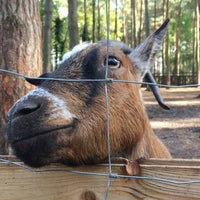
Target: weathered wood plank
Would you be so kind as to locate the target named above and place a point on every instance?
(178, 162)
(18, 183)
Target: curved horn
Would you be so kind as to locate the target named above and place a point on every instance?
(149, 77)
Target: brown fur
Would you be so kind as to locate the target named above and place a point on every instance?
(39, 139)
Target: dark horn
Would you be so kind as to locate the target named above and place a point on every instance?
(149, 78)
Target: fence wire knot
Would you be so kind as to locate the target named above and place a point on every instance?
(109, 80)
(113, 175)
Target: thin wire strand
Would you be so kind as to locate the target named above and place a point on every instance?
(107, 104)
(106, 89)
(108, 80)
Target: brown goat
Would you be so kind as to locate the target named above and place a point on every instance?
(66, 121)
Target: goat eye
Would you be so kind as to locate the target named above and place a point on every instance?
(113, 62)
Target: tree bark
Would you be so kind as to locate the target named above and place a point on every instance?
(155, 14)
(73, 23)
(196, 40)
(168, 67)
(116, 16)
(164, 43)
(147, 27)
(125, 29)
(133, 8)
(20, 51)
(47, 32)
(93, 20)
(98, 21)
(178, 40)
(140, 23)
(85, 34)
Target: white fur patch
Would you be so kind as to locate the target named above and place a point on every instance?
(57, 106)
(75, 50)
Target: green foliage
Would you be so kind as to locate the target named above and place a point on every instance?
(125, 21)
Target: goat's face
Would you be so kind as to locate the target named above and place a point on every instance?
(66, 121)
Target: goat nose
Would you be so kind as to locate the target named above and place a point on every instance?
(23, 108)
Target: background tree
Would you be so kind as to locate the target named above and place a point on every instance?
(196, 40)
(93, 20)
(134, 35)
(141, 21)
(166, 52)
(20, 51)
(47, 35)
(147, 30)
(98, 20)
(85, 34)
(116, 13)
(60, 35)
(125, 21)
(73, 23)
(178, 40)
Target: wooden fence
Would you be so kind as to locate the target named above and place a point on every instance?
(55, 182)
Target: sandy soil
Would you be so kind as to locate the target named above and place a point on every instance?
(178, 128)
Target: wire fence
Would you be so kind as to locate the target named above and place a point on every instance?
(106, 81)
(110, 175)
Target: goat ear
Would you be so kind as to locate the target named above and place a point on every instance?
(144, 54)
(37, 81)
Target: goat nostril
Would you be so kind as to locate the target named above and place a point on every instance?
(27, 109)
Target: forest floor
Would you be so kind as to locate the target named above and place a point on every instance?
(179, 127)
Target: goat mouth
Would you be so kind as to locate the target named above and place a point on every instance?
(66, 128)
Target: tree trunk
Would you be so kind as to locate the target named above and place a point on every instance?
(155, 26)
(133, 8)
(155, 14)
(20, 51)
(85, 34)
(98, 21)
(178, 40)
(168, 67)
(93, 20)
(73, 23)
(116, 15)
(196, 40)
(140, 23)
(125, 29)
(47, 32)
(147, 31)
(164, 43)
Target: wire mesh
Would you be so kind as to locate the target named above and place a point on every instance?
(106, 81)
(109, 175)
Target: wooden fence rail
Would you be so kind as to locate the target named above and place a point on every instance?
(17, 183)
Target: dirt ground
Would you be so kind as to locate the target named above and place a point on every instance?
(179, 127)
